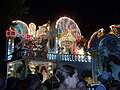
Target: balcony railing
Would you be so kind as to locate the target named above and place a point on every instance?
(69, 57)
(33, 55)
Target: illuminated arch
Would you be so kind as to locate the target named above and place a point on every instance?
(21, 27)
(65, 23)
(92, 40)
(32, 28)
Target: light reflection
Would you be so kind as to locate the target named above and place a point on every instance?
(67, 57)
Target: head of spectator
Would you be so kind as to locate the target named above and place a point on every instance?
(65, 77)
(12, 83)
(32, 82)
(82, 84)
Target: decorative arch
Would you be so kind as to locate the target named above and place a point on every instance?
(95, 38)
(92, 41)
(20, 27)
(65, 27)
(66, 23)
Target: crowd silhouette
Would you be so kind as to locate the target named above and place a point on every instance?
(63, 78)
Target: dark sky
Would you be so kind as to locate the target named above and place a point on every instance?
(90, 15)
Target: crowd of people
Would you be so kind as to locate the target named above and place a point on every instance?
(63, 78)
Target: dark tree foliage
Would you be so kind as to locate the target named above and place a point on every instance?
(11, 9)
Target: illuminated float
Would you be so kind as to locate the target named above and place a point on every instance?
(68, 46)
(69, 33)
(41, 49)
(27, 49)
(105, 50)
(69, 43)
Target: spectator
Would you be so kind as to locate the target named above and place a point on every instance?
(65, 77)
(12, 83)
(22, 85)
(82, 84)
(32, 82)
(40, 75)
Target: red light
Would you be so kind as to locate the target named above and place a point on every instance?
(12, 33)
(7, 33)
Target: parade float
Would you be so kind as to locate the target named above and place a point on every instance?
(31, 49)
(105, 51)
(70, 47)
(69, 44)
(27, 49)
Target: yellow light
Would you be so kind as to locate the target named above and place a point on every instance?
(49, 68)
(49, 63)
(81, 51)
(51, 72)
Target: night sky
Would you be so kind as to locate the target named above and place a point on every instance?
(90, 15)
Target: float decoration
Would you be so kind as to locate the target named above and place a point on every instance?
(65, 25)
(67, 39)
(10, 33)
(43, 69)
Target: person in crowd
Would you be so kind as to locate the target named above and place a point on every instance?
(22, 85)
(2, 82)
(64, 78)
(40, 75)
(105, 79)
(82, 84)
(12, 83)
(32, 82)
(115, 85)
